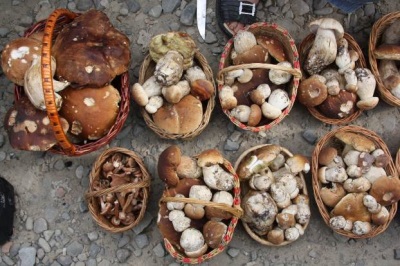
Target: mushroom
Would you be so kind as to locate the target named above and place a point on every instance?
(255, 115)
(168, 163)
(390, 76)
(241, 113)
(351, 80)
(381, 158)
(142, 93)
(200, 192)
(280, 196)
(209, 157)
(216, 214)
(154, 103)
(332, 74)
(366, 87)
(328, 156)
(227, 98)
(333, 87)
(230, 76)
(192, 240)
(202, 89)
(371, 203)
(312, 91)
(279, 99)
(324, 49)
(194, 73)
(246, 76)
(374, 173)
(17, 56)
(357, 141)
(339, 222)
(331, 196)
(171, 205)
(217, 178)
(213, 233)
(90, 51)
(278, 76)
(386, 190)
(360, 184)
(289, 183)
(261, 93)
(292, 234)
(345, 59)
(270, 111)
(303, 213)
(273, 46)
(352, 157)
(278, 162)
(188, 168)
(387, 51)
(332, 174)
(365, 161)
(298, 163)
(169, 68)
(174, 93)
(179, 221)
(339, 106)
(244, 41)
(276, 236)
(354, 171)
(380, 218)
(285, 220)
(361, 228)
(194, 211)
(352, 208)
(261, 181)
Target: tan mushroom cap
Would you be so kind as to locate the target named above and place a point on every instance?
(339, 106)
(285, 220)
(255, 115)
(352, 208)
(273, 46)
(331, 196)
(188, 168)
(267, 153)
(298, 163)
(327, 23)
(387, 51)
(209, 157)
(312, 91)
(326, 155)
(257, 54)
(214, 232)
(358, 142)
(168, 163)
(202, 89)
(276, 236)
(386, 190)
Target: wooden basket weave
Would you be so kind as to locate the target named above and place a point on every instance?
(225, 65)
(304, 48)
(245, 187)
(330, 140)
(397, 162)
(146, 71)
(92, 196)
(374, 40)
(51, 27)
(236, 212)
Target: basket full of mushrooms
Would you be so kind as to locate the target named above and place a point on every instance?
(336, 84)
(275, 203)
(259, 73)
(71, 93)
(384, 56)
(118, 190)
(175, 91)
(200, 206)
(355, 182)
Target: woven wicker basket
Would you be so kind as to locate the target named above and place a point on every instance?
(245, 188)
(304, 48)
(236, 212)
(141, 187)
(51, 27)
(374, 40)
(397, 162)
(147, 70)
(225, 65)
(330, 140)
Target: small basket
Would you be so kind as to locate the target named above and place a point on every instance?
(92, 196)
(329, 140)
(236, 212)
(304, 48)
(146, 71)
(245, 187)
(374, 39)
(51, 27)
(225, 65)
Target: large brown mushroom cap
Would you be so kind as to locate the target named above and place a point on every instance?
(352, 208)
(386, 190)
(91, 112)
(90, 52)
(168, 163)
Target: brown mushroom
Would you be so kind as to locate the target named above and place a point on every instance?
(168, 163)
(312, 91)
(213, 233)
(352, 208)
(357, 141)
(202, 89)
(386, 190)
(327, 155)
(209, 157)
(188, 168)
(255, 115)
(339, 106)
(331, 196)
(273, 46)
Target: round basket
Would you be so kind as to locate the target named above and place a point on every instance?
(304, 48)
(121, 192)
(330, 140)
(51, 27)
(245, 188)
(236, 211)
(146, 71)
(374, 40)
(225, 65)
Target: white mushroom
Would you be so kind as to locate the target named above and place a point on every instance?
(243, 41)
(261, 93)
(270, 111)
(241, 113)
(279, 77)
(361, 228)
(292, 234)
(246, 76)
(228, 100)
(151, 87)
(371, 203)
(289, 183)
(179, 221)
(351, 80)
(191, 240)
(303, 213)
(374, 173)
(261, 181)
(155, 103)
(200, 192)
(360, 184)
(278, 162)
(194, 73)
(345, 59)
(333, 86)
(217, 178)
(390, 76)
(366, 87)
(354, 171)
(279, 99)
(169, 68)
(351, 157)
(333, 174)
(230, 76)
(172, 205)
(339, 222)
(280, 196)
(174, 93)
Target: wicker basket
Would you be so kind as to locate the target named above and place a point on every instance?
(397, 162)
(225, 65)
(142, 188)
(374, 40)
(304, 48)
(245, 188)
(51, 27)
(236, 211)
(147, 70)
(330, 140)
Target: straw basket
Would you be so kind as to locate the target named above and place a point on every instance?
(245, 187)
(51, 27)
(398, 161)
(374, 40)
(225, 65)
(140, 187)
(330, 140)
(175, 250)
(304, 48)
(146, 71)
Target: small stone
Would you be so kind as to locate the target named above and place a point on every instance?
(84, 5)
(155, 11)
(44, 245)
(3, 156)
(27, 256)
(369, 9)
(48, 234)
(310, 136)
(318, 4)
(40, 253)
(124, 11)
(141, 240)
(94, 249)
(187, 15)
(74, 249)
(233, 252)
(3, 33)
(133, 6)
(29, 224)
(79, 171)
(231, 146)
(313, 254)
(300, 7)
(60, 192)
(91, 262)
(7, 260)
(93, 236)
(123, 255)
(83, 207)
(59, 165)
(324, 11)
(174, 26)
(159, 250)
(64, 260)
(397, 254)
(80, 263)
(253, 255)
(170, 6)
(125, 239)
(26, 21)
(40, 225)
(137, 252)
(216, 50)
(210, 37)
(143, 224)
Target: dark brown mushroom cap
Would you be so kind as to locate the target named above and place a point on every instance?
(90, 52)
(168, 163)
(29, 128)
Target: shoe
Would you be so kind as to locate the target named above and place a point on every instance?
(243, 12)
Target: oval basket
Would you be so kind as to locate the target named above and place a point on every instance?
(374, 39)
(146, 71)
(330, 140)
(51, 27)
(225, 65)
(236, 212)
(92, 196)
(304, 48)
(303, 191)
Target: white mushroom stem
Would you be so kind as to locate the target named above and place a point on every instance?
(270, 111)
(351, 80)
(280, 196)
(279, 99)
(366, 87)
(360, 184)
(155, 103)
(361, 228)
(303, 213)
(371, 203)
(174, 93)
(333, 87)
(179, 221)
(241, 113)
(345, 59)
(278, 76)
(228, 100)
(246, 76)
(194, 73)
(232, 75)
(261, 181)
(374, 173)
(390, 76)
(151, 87)
(262, 92)
(339, 222)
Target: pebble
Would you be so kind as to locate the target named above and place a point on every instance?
(123, 255)
(137, 252)
(300, 7)
(324, 11)
(210, 38)
(40, 253)
(159, 250)
(91, 262)
(64, 260)
(80, 263)
(93, 236)
(3, 33)
(84, 5)
(79, 171)
(143, 224)
(125, 239)
(231, 145)
(155, 11)
(133, 6)
(397, 254)
(7, 260)
(141, 240)
(59, 165)
(29, 224)
(44, 245)
(170, 6)
(83, 207)
(313, 254)
(310, 136)
(233, 252)
(94, 250)
(40, 225)
(27, 256)
(188, 13)
(74, 249)
(48, 234)
(318, 4)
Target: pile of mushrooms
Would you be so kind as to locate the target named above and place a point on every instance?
(175, 92)
(84, 62)
(276, 206)
(354, 184)
(335, 86)
(254, 96)
(120, 209)
(388, 54)
(191, 227)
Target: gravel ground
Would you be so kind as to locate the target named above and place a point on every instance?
(53, 225)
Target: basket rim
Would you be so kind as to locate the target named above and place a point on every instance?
(291, 88)
(304, 191)
(316, 184)
(376, 32)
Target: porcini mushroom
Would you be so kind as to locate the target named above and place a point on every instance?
(339, 106)
(192, 241)
(213, 233)
(352, 208)
(227, 98)
(188, 168)
(218, 214)
(386, 190)
(278, 76)
(217, 178)
(168, 163)
(312, 91)
(169, 68)
(330, 196)
(345, 59)
(174, 93)
(279, 99)
(366, 87)
(261, 93)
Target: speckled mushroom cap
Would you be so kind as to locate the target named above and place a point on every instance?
(90, 52)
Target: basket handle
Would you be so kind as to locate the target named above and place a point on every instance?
(47, 79)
